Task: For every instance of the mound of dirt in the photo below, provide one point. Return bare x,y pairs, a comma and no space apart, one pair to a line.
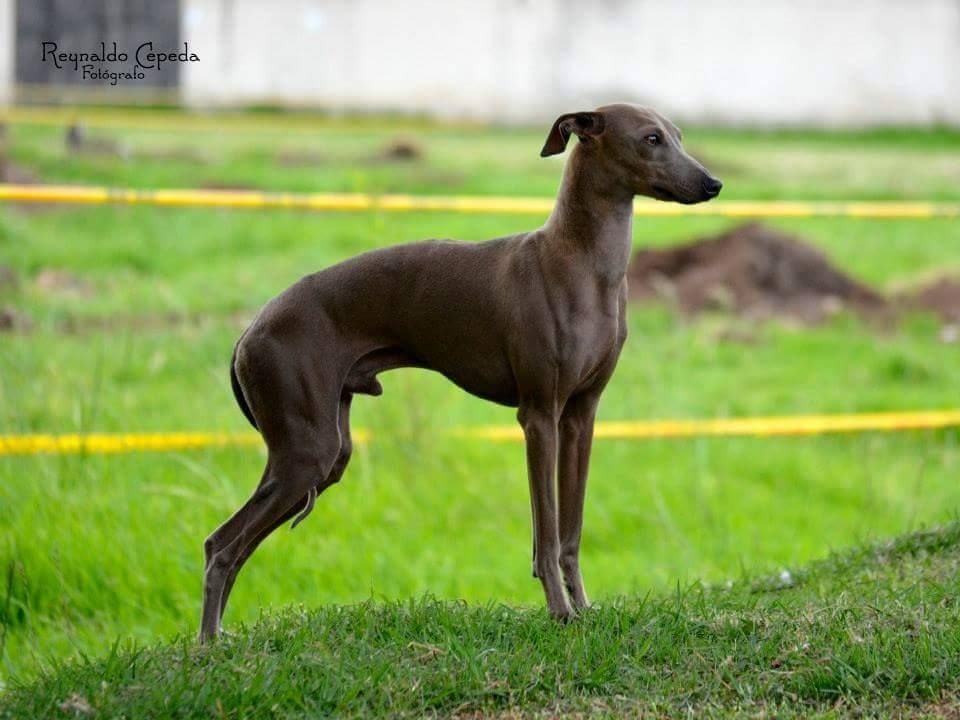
757,272
752,270
940,297
14,320
55,281
401,150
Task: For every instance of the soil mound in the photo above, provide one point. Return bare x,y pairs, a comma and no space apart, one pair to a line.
940,297
752,270
401,150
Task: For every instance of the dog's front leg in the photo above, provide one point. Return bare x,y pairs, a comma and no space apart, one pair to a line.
576,438
540,431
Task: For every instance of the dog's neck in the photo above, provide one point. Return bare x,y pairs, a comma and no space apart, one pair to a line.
593,217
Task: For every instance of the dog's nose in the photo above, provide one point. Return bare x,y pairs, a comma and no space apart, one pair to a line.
711,186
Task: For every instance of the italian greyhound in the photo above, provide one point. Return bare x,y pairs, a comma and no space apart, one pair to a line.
534,321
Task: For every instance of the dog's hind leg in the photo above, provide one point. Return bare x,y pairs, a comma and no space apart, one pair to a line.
533,514
299,419
343,457
248,551
301,511
291,473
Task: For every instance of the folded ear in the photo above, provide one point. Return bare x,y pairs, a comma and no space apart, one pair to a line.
581,124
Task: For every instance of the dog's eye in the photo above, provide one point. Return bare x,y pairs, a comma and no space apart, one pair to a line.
652,139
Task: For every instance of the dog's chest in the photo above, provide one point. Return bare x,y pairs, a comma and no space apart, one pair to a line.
591,328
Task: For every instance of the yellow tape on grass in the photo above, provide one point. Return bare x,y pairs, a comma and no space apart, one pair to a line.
105,443
329,202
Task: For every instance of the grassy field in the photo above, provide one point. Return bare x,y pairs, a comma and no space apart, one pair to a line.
869,633
138,335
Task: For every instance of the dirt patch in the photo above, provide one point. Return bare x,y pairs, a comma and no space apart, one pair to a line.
13,320
62,282
755,272
751,270
940,297
401,150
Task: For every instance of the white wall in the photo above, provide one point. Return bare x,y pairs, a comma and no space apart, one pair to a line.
6,51
792,62
749,61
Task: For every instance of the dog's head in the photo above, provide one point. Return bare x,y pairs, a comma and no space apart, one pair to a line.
637,149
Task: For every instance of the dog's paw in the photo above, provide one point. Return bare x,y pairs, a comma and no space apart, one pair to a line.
563,615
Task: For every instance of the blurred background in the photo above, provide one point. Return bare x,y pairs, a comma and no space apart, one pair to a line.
755,62
809,288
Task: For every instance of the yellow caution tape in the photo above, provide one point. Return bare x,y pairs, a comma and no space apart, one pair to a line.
107,443
617,430
456,203
756,427
121,442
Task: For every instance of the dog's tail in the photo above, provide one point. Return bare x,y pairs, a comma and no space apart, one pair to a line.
238,391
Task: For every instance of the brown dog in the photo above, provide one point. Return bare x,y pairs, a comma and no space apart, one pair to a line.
534,321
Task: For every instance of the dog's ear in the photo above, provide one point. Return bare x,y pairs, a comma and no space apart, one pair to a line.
581,124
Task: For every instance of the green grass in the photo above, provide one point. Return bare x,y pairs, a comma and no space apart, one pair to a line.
101,548
871,632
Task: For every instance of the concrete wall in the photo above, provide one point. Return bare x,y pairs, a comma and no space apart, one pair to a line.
7,51
789,62
809,62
